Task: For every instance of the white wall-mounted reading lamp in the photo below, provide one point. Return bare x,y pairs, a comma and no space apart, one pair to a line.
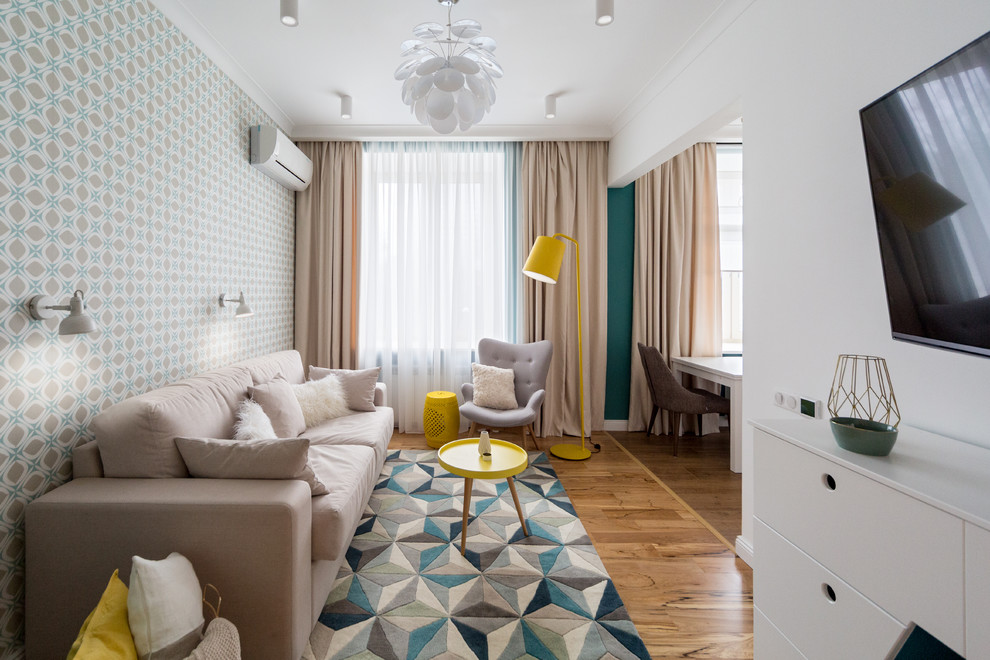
78,322
243,309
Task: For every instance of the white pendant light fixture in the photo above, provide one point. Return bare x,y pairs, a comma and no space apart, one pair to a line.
289,10
448,80
550,106
604,12
346,106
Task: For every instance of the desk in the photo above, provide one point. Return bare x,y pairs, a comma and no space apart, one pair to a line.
726,371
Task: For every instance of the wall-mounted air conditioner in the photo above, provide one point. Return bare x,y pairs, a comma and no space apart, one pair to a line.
275,155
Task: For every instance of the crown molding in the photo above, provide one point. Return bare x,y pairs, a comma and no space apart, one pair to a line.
179,15
477,133
720,20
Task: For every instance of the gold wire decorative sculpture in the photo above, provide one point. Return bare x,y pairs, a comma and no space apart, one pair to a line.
206,600
861,389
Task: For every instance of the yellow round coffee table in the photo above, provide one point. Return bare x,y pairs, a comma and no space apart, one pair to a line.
461,457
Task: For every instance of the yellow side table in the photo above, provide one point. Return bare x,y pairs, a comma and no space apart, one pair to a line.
441,418
461,457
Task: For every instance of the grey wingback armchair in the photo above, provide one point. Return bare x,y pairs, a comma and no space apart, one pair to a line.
531,363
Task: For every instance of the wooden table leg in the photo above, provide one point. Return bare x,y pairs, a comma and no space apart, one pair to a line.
515,498
467,507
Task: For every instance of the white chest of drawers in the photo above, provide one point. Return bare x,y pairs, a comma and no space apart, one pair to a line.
849,549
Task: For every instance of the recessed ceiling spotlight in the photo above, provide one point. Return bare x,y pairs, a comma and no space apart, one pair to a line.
346,104
290,12
550,104
604,12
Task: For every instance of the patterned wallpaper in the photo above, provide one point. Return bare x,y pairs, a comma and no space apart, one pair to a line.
124,173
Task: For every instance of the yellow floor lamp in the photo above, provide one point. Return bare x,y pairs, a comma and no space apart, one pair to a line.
543,265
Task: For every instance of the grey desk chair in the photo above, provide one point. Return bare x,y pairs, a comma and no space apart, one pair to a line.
668,394
531,363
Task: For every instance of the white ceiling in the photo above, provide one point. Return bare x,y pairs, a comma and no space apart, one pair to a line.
601,75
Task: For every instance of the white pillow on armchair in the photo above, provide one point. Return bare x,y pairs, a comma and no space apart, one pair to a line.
494,387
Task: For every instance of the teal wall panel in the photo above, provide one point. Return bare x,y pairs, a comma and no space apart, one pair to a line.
621,236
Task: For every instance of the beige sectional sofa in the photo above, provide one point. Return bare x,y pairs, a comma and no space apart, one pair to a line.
269,546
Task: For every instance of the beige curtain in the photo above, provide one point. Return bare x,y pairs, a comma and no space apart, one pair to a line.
677,285
564,190
328,230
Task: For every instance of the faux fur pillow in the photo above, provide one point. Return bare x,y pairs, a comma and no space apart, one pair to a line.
494,387
321,400
252,422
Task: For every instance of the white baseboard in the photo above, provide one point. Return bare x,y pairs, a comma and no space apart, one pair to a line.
745,550
617,425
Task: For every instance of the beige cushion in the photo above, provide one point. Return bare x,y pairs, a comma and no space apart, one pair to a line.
164,607
359,385
212,458
349,473
136,437
368,429
287,364
494,387
252,422
279,403
321,400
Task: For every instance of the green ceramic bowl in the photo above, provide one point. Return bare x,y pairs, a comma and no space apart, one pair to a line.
864,436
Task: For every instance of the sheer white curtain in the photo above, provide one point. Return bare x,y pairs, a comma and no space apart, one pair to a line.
439,264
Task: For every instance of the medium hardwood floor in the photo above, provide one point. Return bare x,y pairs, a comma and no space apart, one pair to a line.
699,474
688,594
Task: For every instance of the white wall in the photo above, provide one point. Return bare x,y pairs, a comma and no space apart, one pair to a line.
800,71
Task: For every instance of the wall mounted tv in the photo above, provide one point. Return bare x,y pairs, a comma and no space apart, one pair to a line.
928,153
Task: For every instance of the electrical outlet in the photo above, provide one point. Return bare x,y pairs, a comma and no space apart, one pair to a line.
798,404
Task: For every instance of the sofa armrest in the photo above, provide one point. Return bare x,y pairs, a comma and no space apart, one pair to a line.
381,395
249,538
467,391
86,461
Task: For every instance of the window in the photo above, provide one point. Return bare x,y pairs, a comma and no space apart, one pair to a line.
730,221
438,266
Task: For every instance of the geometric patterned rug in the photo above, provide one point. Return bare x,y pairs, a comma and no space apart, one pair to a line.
405,591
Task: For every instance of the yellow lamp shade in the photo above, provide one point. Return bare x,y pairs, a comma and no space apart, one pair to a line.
545,259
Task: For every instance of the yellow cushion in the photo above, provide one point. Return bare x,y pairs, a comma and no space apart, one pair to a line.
105,632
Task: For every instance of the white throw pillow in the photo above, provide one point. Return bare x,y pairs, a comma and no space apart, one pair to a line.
252,422
494,387
164,607
321,400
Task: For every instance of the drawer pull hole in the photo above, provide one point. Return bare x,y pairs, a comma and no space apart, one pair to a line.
829,481
829,592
